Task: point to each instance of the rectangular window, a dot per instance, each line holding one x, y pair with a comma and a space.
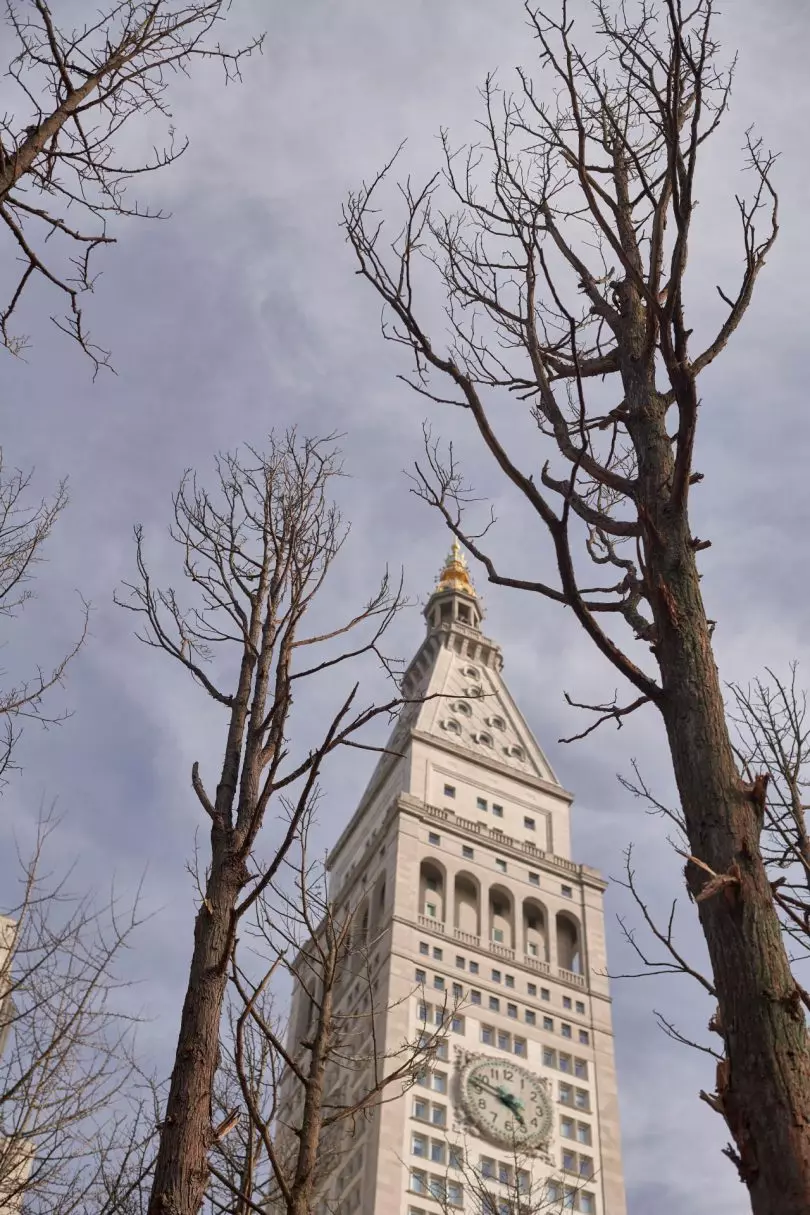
549, 1057
430, 911
487, 1167
496, 976
438, 982
434, 837
524, 1181
422, 1011
473, 967
487, 1035
587, 1203
437, 954
500, 864
497, 810
424, 947
504, 1174
497, 935
565, 1063
581, 1069
494, 1004
458, 991
545, 994
504, 1040
455, 1194
460, 961
457, 1158
438, 1115
420, 976
520, 1047
420, 1109
569, 1161
530, 1017
418, 1145
436, 1187
467, 852
565, 1030
534, 879
584, 1037
511, 1011
566, 1001
585, 1166
580, 1008
440, 1082
583, 1132
449, 790
475, 996
548, 1023
437, 1151
565, 1091
442, 1050
528, 823
567, 1128
581, 1099
567, 892
481, 803
509, 980
439, 1016
531, 946
418, 1181
457, 1024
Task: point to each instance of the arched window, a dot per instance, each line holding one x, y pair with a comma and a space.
501, 917
431, 891
569, 949
462, 707
484, 739
467, 905
535, 930
452, 726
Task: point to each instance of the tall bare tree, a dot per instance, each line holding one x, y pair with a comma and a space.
563, 255
256, 553
62, 173
306, 1087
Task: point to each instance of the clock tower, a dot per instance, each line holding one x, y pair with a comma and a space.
458, 859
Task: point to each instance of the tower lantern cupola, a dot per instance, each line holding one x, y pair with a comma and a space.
454, 601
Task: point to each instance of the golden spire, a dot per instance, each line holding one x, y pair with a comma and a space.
455, 576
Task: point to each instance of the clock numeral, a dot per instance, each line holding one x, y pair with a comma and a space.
508, 1074
482, 1105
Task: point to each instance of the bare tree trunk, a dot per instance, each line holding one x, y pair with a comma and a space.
181, 1168
763, 1084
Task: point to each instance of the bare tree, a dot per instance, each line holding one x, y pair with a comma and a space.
256, 554
306, 1088
563, 258
60, 153
66, 1044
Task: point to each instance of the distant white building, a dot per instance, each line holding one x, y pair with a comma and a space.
459, 860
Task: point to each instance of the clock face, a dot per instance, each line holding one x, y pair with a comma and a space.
508, 1103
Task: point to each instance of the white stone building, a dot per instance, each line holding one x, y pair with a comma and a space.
459, 860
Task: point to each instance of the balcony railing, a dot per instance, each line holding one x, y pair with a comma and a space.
500, 837
502, 951
537, 964
468, 938
570, 976
427, 921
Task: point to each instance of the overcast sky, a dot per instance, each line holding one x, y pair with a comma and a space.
242, 313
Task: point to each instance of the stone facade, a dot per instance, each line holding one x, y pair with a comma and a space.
458, 859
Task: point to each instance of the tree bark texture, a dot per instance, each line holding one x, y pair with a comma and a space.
763, 1084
